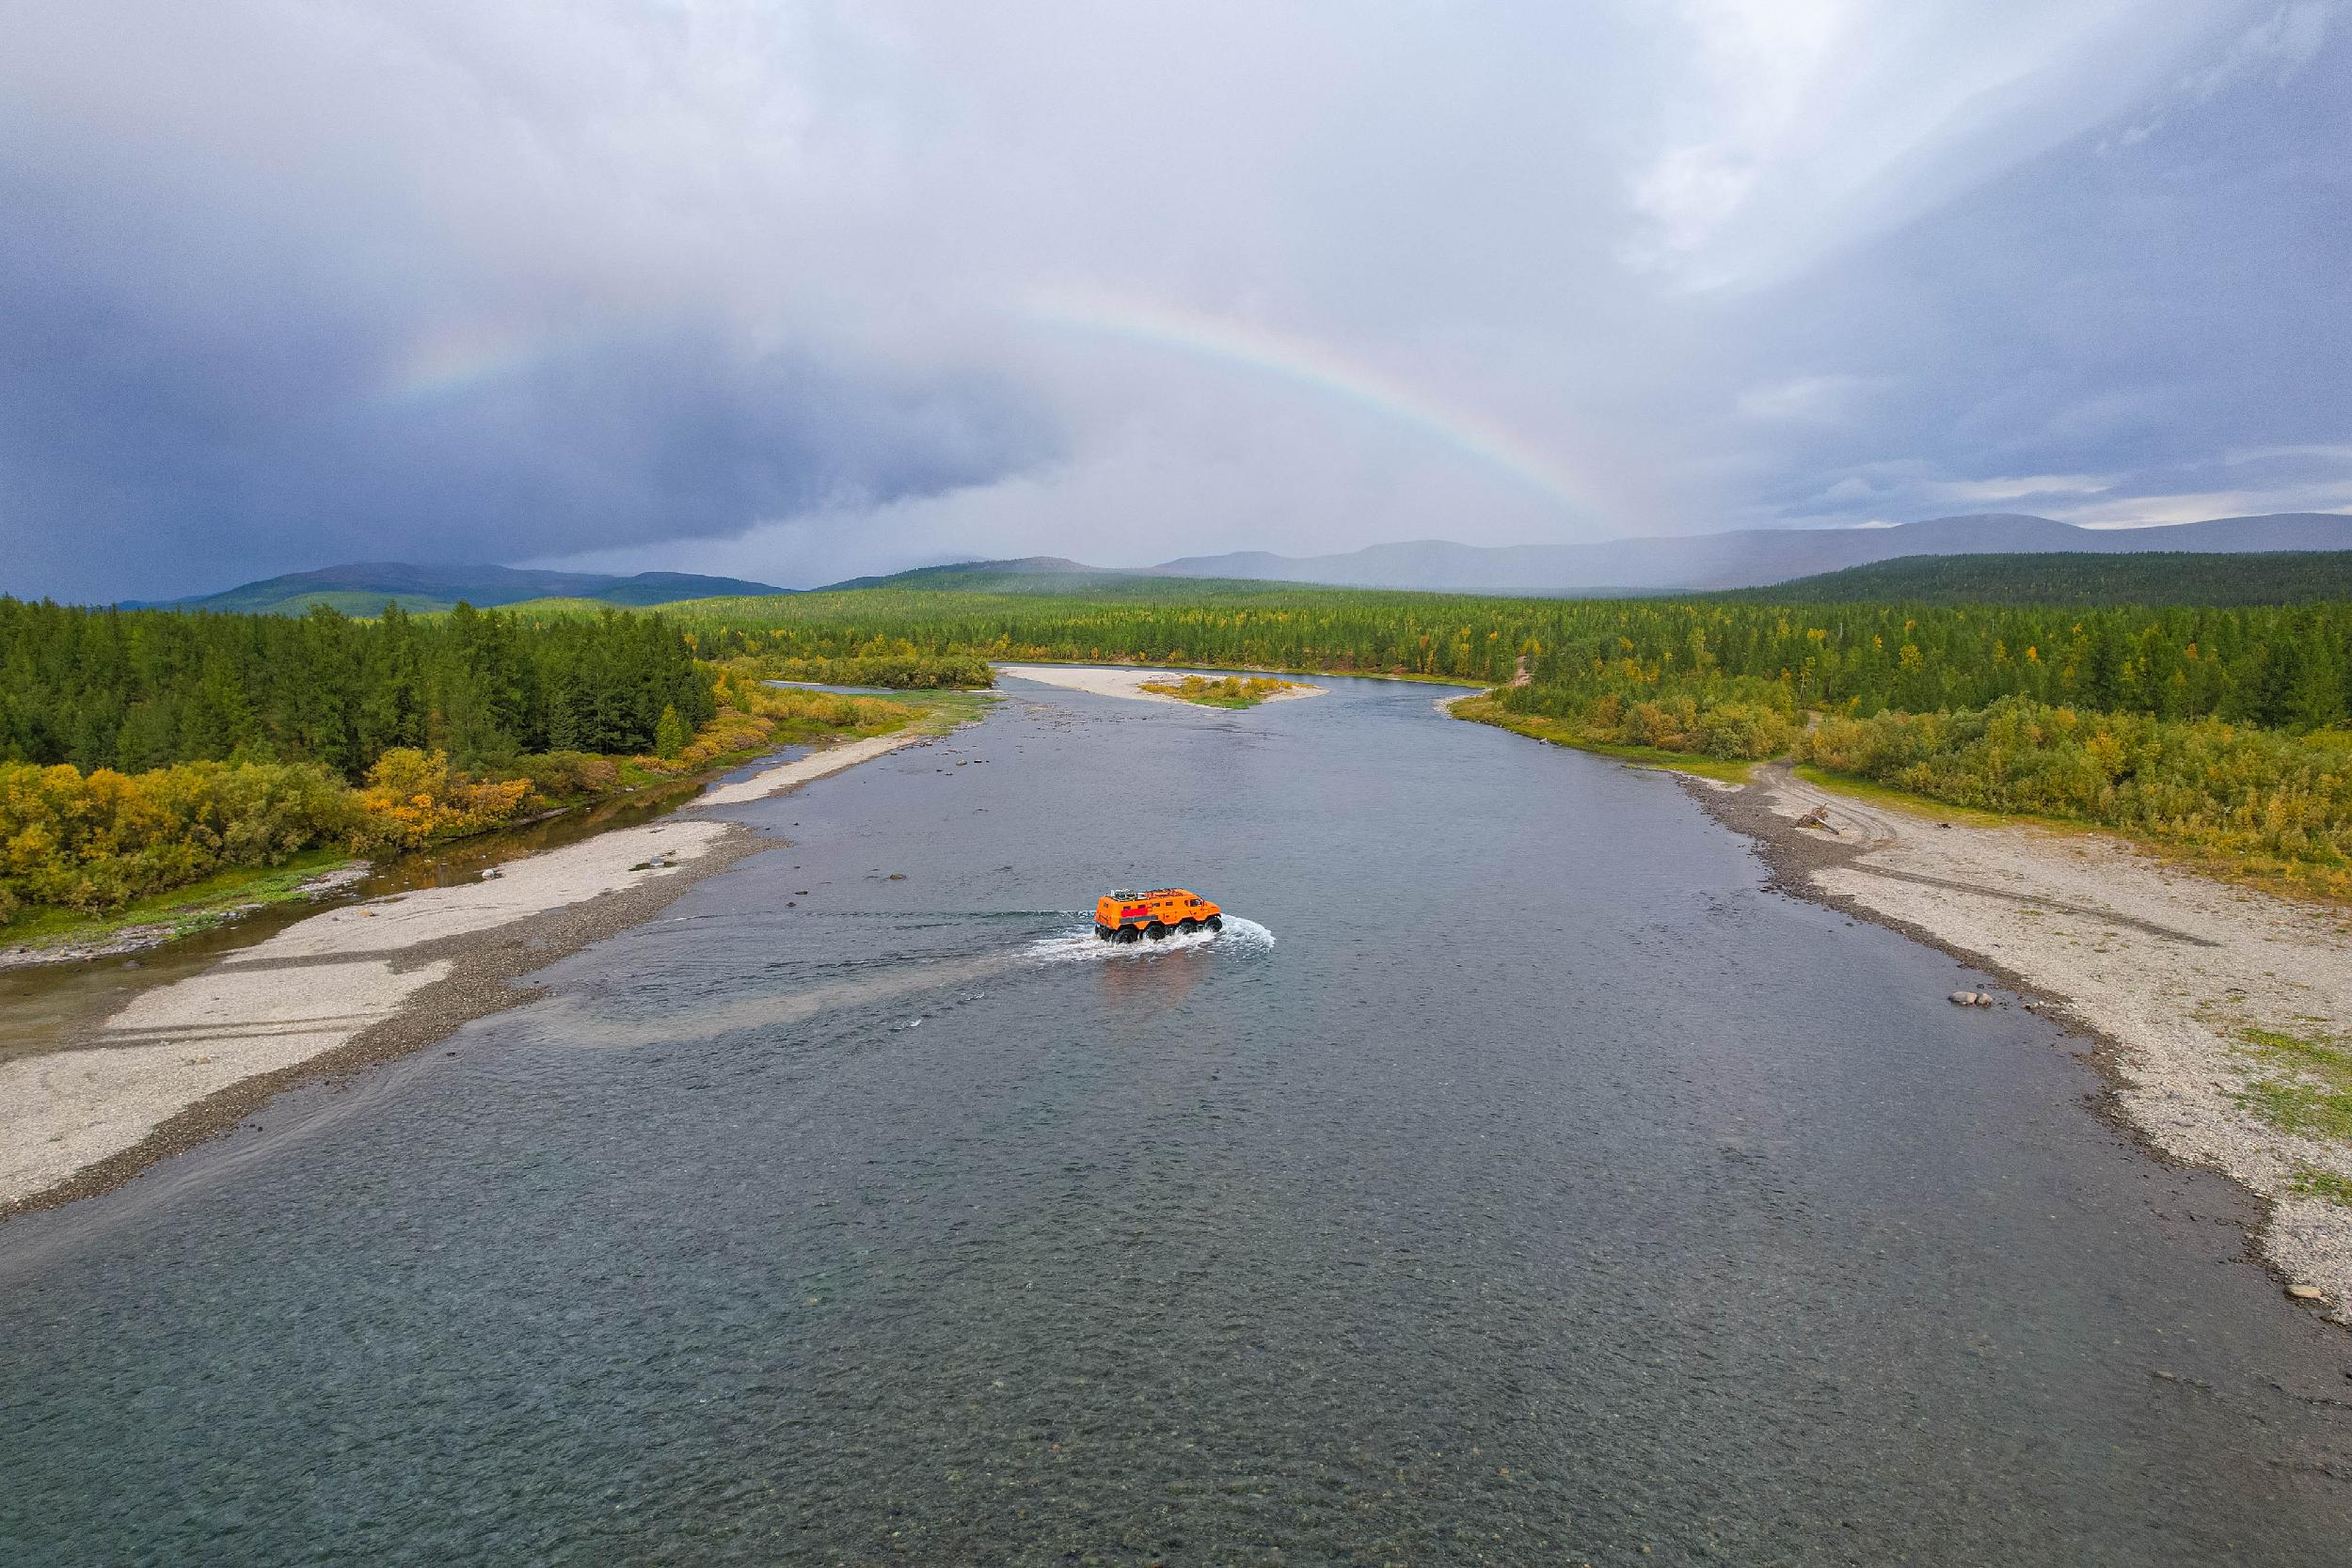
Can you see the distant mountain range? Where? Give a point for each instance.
(1751, 558)
(364, 589)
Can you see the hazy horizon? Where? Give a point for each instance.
(459, 564)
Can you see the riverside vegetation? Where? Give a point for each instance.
(1234, 691)
(142, 751)
(2214, 728)
(2217, 729)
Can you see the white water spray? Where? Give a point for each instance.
(1083, 945)
(579, 1021)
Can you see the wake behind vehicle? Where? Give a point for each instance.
(1127, 916)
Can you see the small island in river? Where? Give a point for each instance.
(1232, 691)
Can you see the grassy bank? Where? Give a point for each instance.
(1871, 791)
(1561, 732)
(178, 912)
(2253, 869)
(937, 712)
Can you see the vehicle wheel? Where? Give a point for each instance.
(1101, 932)
(1185, 926)
(1217, 923)
(1129, 933)
(1156, 931)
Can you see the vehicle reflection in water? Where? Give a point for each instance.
(1151, 982)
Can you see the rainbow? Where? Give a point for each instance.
(1306, 363)
(457, 355)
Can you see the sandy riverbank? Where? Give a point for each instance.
(2166, 967)
(188, 1060)
(1125, 681)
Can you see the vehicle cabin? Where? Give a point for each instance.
(1129, 916)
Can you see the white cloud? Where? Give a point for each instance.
(2193, 506)
(2323, 452)
(2017, 487)
(2275, 48)
(1796, 126)
(1804, 397)
(2272, 50)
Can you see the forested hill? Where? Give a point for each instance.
(2166, 577)
(365, 588)
(1043, 574)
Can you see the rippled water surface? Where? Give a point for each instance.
(1514, 1181)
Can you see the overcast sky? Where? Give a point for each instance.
(798, 291)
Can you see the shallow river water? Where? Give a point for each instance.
(1514, 1181)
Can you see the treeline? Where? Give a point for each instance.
(1177, 624)
(2280, 668)
(133, 691)
(2079, 577)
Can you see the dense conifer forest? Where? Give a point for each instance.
(138, 689)
(2074, 578)
(2279, 667)
(145, 751)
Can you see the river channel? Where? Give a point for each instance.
(1516, 1181)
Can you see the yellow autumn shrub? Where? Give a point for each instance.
(752, 716)
(96, 841)
(413, 796)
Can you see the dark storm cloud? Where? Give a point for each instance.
(154, 456)
(173, 419)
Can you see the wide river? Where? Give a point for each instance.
(1514, 1181)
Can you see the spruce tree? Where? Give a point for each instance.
(669, 734)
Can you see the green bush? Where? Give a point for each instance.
(567, 775)
(1737, 719)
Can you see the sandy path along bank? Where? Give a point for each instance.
(1126, 681)
(815, 765)
(2167, 967)
(187, 1060)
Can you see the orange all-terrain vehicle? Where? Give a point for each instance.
(1132, 916)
